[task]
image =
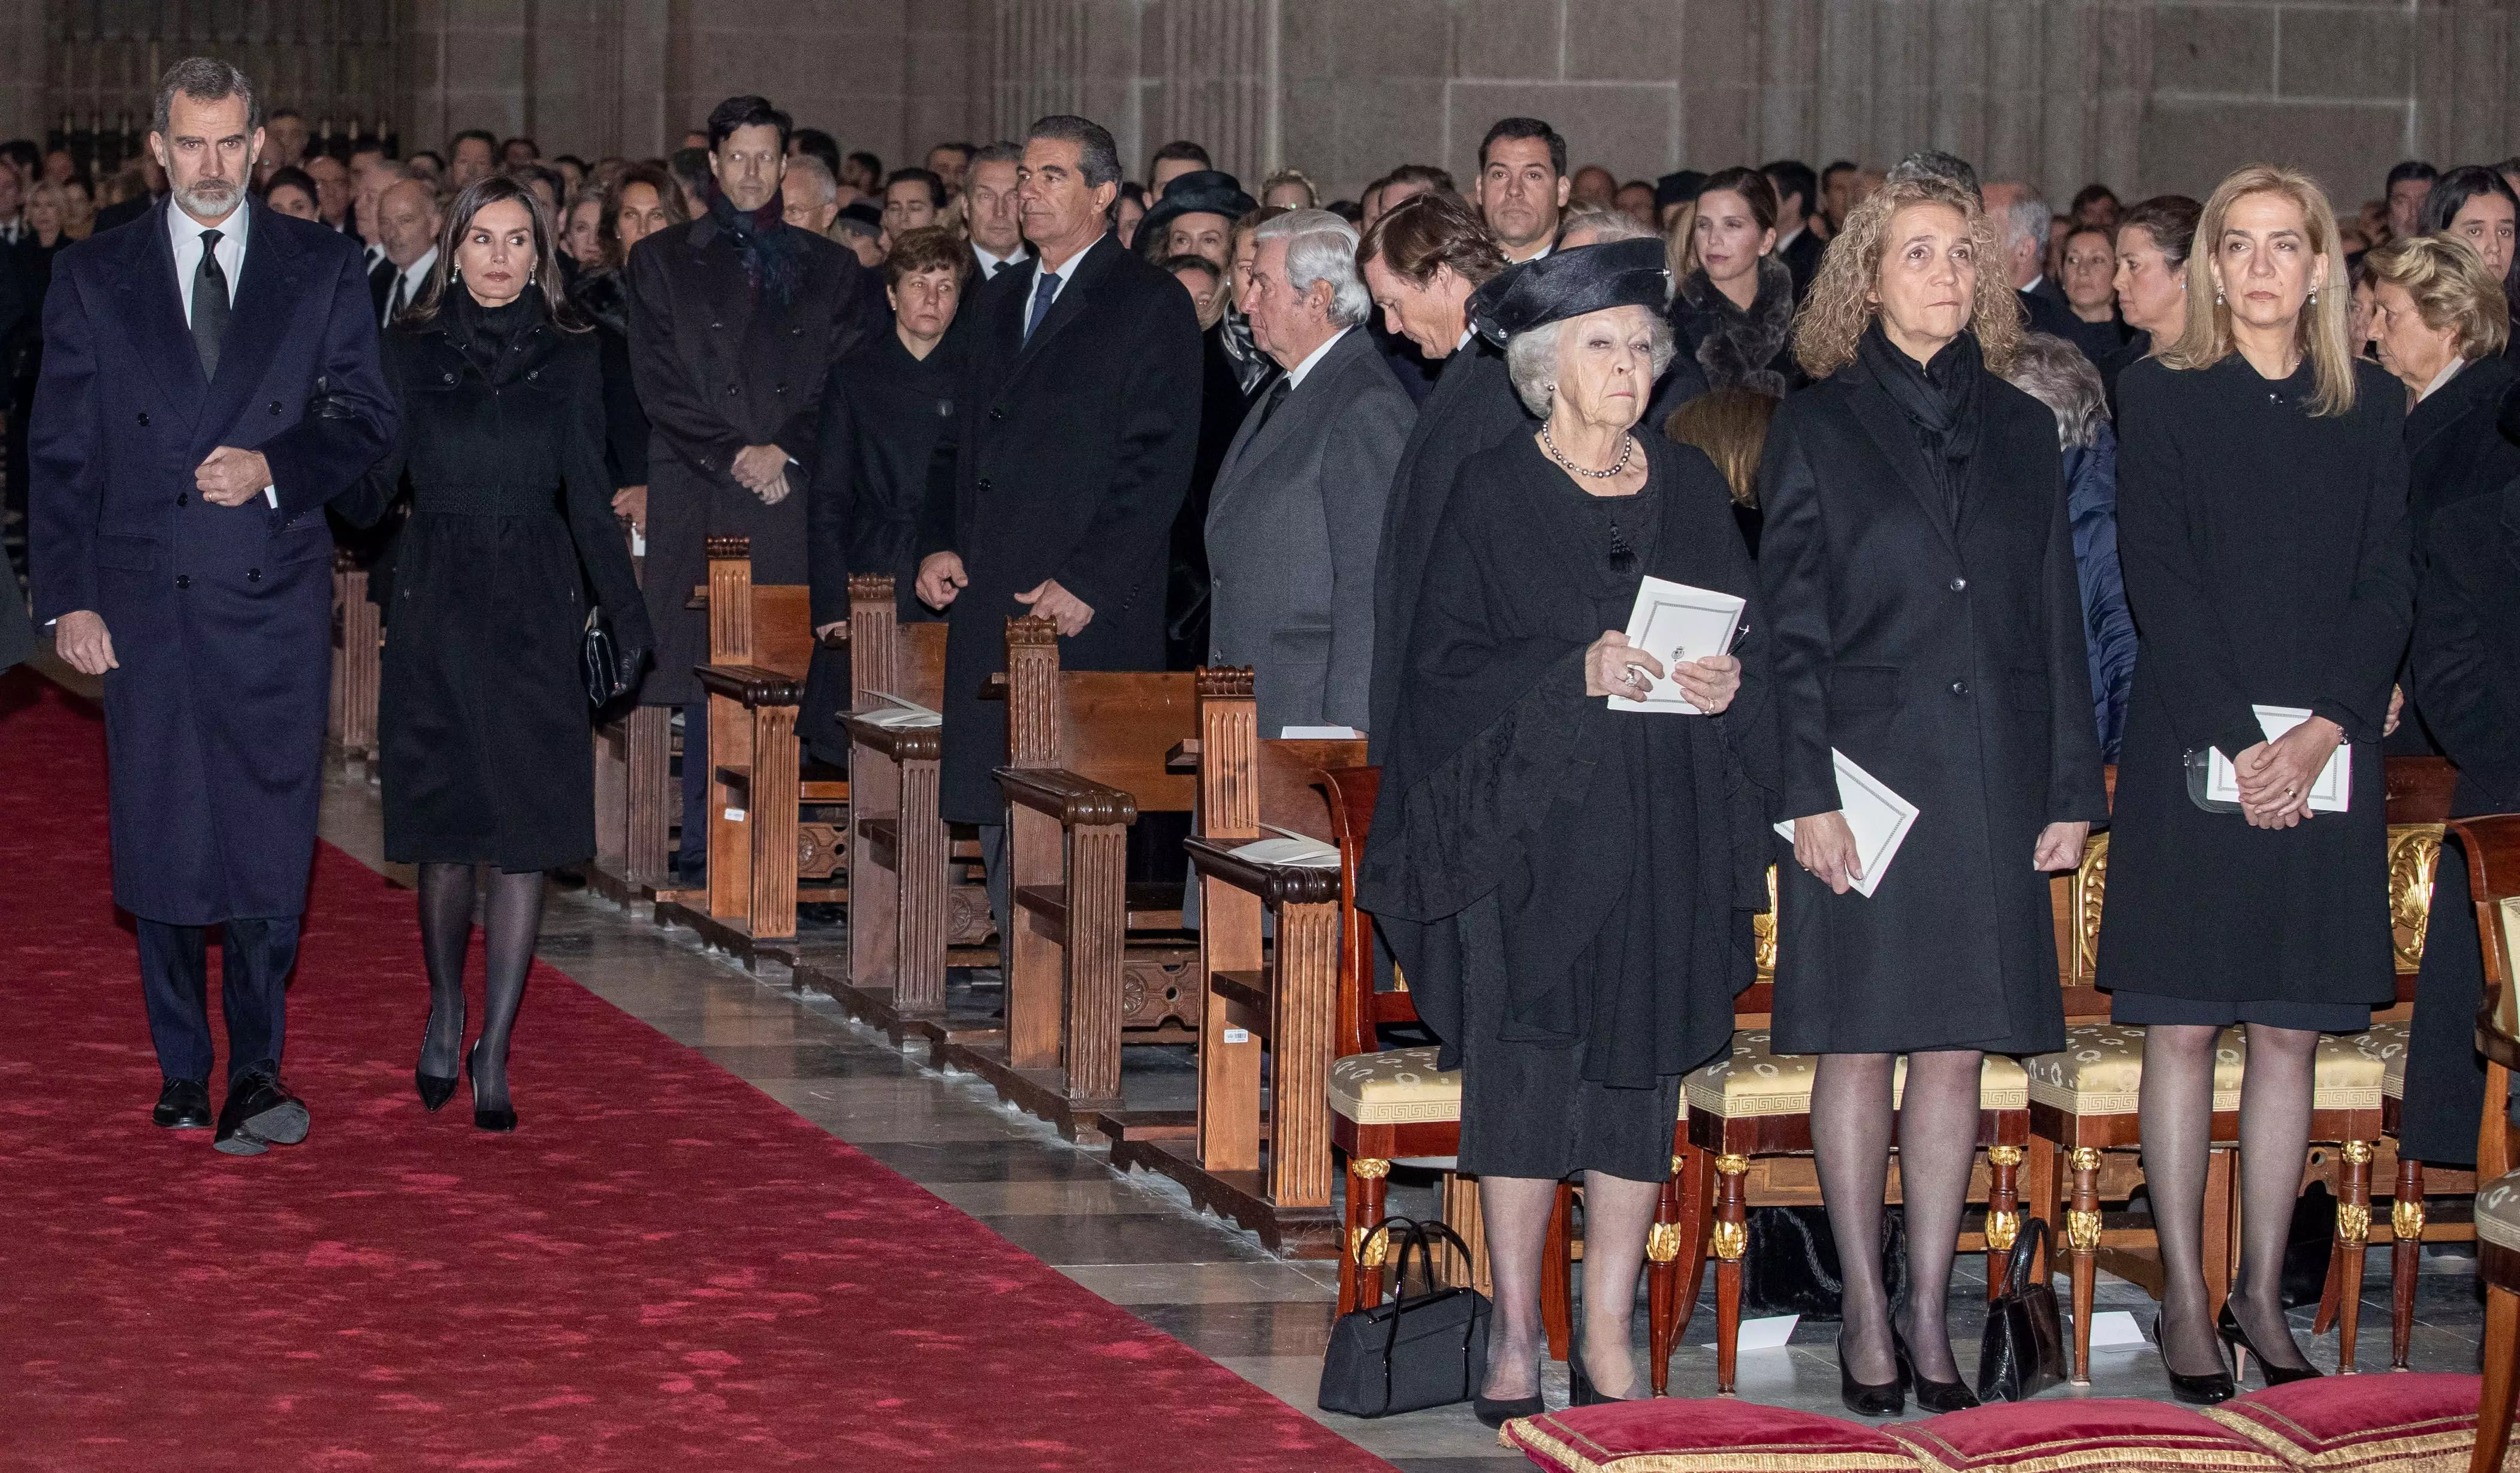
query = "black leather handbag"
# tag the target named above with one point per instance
(610, 671)
(1415, 1352)
(2023, 1350)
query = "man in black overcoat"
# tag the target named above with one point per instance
(1055, 491)
(209, 383)
(735, 319)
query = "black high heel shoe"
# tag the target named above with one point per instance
(1932, 1395)
(1889, 1399)
(500, 1121)
(2196, 1391)
(2243, 1351)
(434, 1089)
(1496, 1414)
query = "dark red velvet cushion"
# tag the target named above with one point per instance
(2069, 1436)
(2363, 1424)
(1679, 1435)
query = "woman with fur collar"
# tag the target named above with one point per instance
(1735, 311)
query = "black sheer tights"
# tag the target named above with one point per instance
(2178, 1116)
(1852, 1124)
(511, 921)
(1618, 1217)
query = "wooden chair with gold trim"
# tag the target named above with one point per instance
(2493, 847)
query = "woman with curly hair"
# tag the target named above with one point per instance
(1918, 570)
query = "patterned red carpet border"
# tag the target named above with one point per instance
(663, 1269)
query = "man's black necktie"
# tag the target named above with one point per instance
(401, 297)
(1268, 403)
(210, 306)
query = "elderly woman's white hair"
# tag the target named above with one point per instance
(1531, 357)
(2055, 372)
(1321, 248)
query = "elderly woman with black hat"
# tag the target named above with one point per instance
(1196, 217)
(1586, 876)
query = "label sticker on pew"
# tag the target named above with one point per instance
(735, 815)
(1238, 1035)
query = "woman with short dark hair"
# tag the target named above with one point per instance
(1734, 310)
(486, 757)
(1918, 576)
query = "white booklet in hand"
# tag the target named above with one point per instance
(902, 714)
(1676, 623)
(1879, 817)
(2329, 791)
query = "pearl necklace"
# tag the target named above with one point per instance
(1627, 448)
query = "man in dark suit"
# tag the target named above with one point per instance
(1056, 486)
(735, 320)
(209, 383)
(2021, 221)
(1797, 198)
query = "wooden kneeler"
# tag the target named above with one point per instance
(899, 857)
(358, 659)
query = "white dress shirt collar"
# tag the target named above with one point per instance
(413, 277)
(186, 234)
(1295, 374)
(991, 265)
(1061, 269)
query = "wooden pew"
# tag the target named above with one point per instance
(1282, 999)
(761, 641)
(899, 856)
(1091, 956)
(358, 660)
(636, 801)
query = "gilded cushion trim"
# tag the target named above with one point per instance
(1751, 1083)
(1396, 1087)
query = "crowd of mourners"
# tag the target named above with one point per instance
(2011, 495)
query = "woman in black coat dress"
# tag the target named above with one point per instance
(482, 717)
(2262, 529)
(1600, 867)
(1918, 568)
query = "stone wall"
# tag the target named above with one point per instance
(2148, 95)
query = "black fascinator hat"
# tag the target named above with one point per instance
(1571, 282)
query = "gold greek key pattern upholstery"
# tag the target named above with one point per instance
(2101, 1069)
(1396, 1087)
(2390, 1040)
(2498, 1212)
(1750, 1082)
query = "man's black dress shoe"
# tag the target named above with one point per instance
(183, 1105)
(260, 1114)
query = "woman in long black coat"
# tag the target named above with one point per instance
(887, 405)
(1919, 566)
(2262, 529)
(482, 719)
(1600, 868)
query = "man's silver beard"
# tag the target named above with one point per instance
(197, 201)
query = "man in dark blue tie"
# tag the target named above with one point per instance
(1068, 455)
(209, 383)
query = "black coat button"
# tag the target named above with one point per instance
(996, 413)
(734, 390)
(1959, 585)
(715, 325)
(778, 389)
(533, 373)
(183, 498)
(984, 483)
(144, 417)
(183, 580)
(253, 575)
(1960, 688)
(275, 406)
(450, 378)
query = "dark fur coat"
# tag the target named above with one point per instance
(1751, 349)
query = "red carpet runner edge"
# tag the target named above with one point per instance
(663, 1269)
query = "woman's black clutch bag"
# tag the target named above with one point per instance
(610, 671)
(1415, 1352)
(2023, 1350)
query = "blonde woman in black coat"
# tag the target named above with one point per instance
(2262, 528)
(1918, 570)
(487, 762)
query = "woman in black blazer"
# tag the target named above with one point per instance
(482, 717)
(2261, 530)
(1919, 574)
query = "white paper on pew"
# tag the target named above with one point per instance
(1318, 734)
(1293, 849)
(1770, 1333)
(1879, 817)
(2115, 1327)
(2329, 791)
(1676, 623)
(904, 715)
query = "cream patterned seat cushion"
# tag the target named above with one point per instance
(1750, 1082)
(2498, 1212)
(1396, 1087)
(2101, 1069)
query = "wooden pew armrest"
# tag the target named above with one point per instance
(899, 743)
(1066, 796)
(1275, 884)
(752, 685)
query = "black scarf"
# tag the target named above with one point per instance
(774, 256)
(1945, 400)
(491, 338)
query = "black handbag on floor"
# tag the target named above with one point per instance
(1412, 1352)
(2023, 1350)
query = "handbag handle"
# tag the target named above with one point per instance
(2025, 1250)
(1417, 1236)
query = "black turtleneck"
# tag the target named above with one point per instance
(489, 336)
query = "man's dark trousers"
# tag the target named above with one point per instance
(255, 959)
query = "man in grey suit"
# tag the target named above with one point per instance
(1295, 520)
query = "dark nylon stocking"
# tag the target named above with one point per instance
(2175, 1106)
(445, 934)
(513, 923)
(1516, 1212)
(1937, 1147)
(1618, 1216)
(2274, 1140)
(1850, 1118)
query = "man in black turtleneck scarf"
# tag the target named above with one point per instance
(735, 319)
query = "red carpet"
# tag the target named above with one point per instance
(663, 1270)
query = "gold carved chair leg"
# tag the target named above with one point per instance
(1676, 1258)
(1732, 1239)
(1360, 1266)
(2406, 1257)
(2083, 1243)
(2003, 1212)
(2353, 1235)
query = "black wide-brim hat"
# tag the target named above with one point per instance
(1571, 282)
(1208, 192)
